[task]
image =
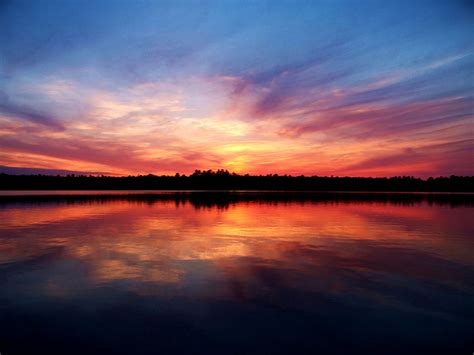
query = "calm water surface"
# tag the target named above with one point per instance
(236, 275)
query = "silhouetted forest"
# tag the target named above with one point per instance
(224, 180)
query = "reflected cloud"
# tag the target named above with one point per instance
(175, 262)
(159, 242)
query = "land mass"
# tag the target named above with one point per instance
(224, 180)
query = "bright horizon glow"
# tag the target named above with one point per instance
(315, 88)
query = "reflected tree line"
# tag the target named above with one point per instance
(225, 199)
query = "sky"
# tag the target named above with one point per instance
(348, 88)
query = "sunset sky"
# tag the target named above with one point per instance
(357, 88)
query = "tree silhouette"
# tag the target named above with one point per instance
(224, 180)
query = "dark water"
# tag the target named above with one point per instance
(237, 274)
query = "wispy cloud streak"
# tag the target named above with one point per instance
(322, 88)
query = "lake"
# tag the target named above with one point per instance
(236, 273)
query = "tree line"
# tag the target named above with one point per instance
(224, 180)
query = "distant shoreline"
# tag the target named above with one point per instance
(224, 181)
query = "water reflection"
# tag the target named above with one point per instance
(236, 274)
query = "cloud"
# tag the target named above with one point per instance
(364, 121)
(158, 87)
(433, 159)
(24, 112)
(13, 170)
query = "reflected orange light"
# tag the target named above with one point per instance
(154, 242)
